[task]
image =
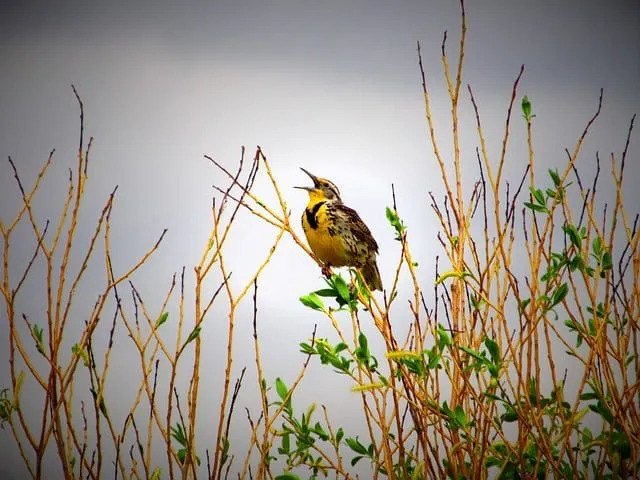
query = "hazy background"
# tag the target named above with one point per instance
(332, 86)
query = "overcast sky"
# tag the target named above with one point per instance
(332, 86)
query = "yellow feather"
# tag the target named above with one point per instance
(328, 248)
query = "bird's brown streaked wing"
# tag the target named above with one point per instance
(359, 228)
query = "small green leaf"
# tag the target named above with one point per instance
(444, 339)
(597, 246)
(559, 294)
(526, 108)
(326, 292)
(460, 417)
(38, 334)
(573, 234)
(312, 301)
(356, 446)
(18, 388)
(510, 415)
(589, 396)
(592, 327)
(533, 391)
(362, 342)
(341, 287)
(494, 350)
(178, 434)
(101, 404)
(76, 349)
(395, 222)
(555, 177)
(281, 388)
(156, 474)
(287, 476)
(538, 195)
(182, 454)
(193, 335)
(339, 435)
(473, 353)
(161, 319)
(452, 274)
(535, 207)
(286, 444)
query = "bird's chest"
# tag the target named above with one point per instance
(323, 236)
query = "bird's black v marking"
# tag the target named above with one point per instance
(312, 213)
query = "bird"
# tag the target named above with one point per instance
(336, 234)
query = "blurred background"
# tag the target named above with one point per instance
(332, 86)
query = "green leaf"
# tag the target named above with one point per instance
(510, 415)
(286, 444)
(161, 319)
(535, 207)
(339, 435)
(156, 474)
(493, 348)
(312, 301)
(589, 396)
(281, 388)
(317, 428)
(101, 404)
(555, 177)
(307, 349)
(326, 292)
(444, 339)
(620, 442)
(597, 246)
(395, 222)
(473, 353)
(538, 195)
(179, 435)
(606, 261)
(38, 334)
(454, 274)
(559, 294)
(533, 391)
(574, 236)
(356, 446)
(193, 335)
(460, 416)
(287, 476)
(526, 108)
(363, 343)
(76, 349)
(592, 327)
(341, 287)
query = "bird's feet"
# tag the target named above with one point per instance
(326, 270)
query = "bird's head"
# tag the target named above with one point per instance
(322, 189)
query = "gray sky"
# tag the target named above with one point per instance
(332, 86)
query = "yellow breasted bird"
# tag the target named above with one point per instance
(336, 233)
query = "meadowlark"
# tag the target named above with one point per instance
(336, 233)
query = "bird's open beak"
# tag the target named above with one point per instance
(313, 177)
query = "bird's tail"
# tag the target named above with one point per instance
(372, 275)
